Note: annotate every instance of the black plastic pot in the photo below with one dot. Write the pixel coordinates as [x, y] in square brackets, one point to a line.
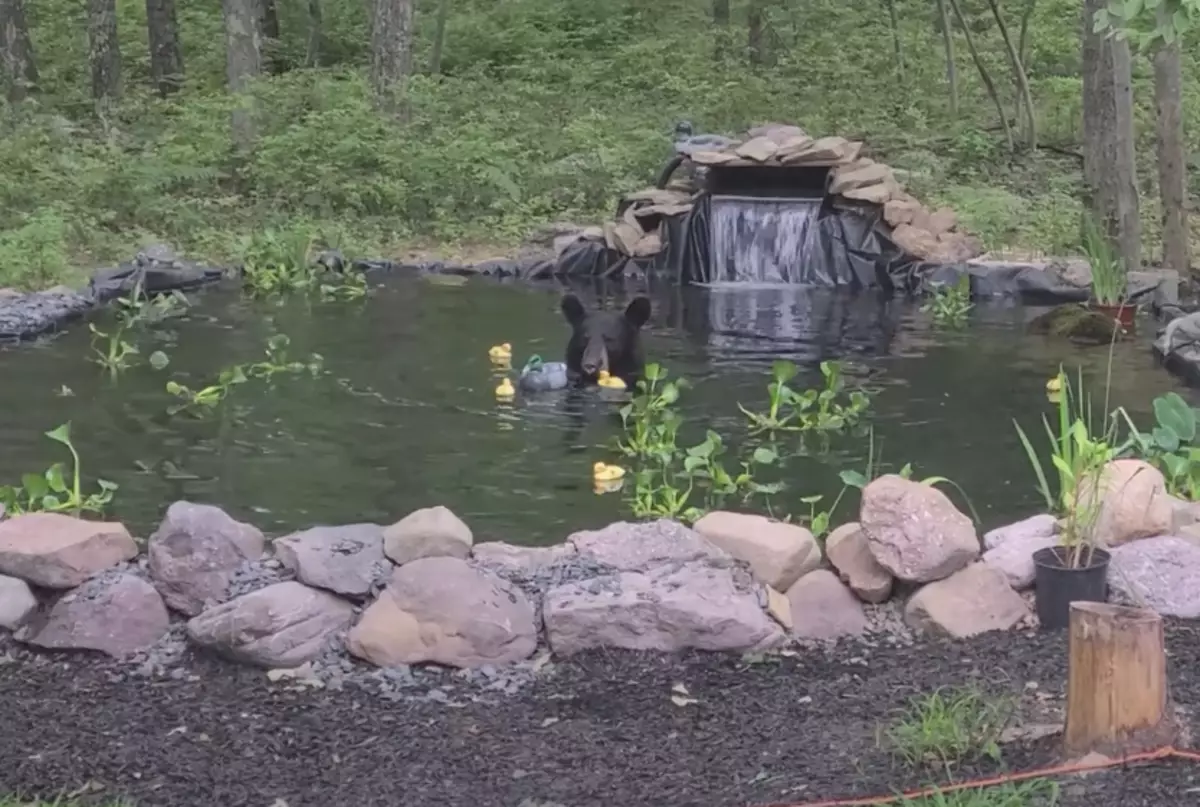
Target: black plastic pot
[1059, 585]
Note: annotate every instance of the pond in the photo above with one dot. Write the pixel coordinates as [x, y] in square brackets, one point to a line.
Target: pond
[405, 415]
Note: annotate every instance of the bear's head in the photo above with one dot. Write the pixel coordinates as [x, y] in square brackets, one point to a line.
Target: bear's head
[605, 340]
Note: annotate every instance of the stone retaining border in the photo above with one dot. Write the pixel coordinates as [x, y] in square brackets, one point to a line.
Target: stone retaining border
[331, 600]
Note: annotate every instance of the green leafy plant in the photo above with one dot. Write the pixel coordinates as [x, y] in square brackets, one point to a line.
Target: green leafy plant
[820, 410]
[111, 350]
[58, 489]
[950, 303]
[278, 262]
[949, 727]
[353, 286]
[1110, 280]
[1171, 445]
[1079, 452]
[675, 482]
[276, 362]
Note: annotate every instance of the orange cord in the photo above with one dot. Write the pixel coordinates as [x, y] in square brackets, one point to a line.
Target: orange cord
[1166, 752]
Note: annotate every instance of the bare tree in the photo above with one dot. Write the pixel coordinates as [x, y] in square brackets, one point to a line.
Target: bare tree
[391, 55]
[243, 62]
[439, 37]
[316, 34]
[1108, 160]
[754, 31]
[984, 75]
[18, 67]
[104, 53]
[1172, 155]
[1023, 93]
[166, 57]
[268, 31]
[951, 67]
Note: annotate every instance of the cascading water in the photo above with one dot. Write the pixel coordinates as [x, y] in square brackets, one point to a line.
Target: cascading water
[763, 240]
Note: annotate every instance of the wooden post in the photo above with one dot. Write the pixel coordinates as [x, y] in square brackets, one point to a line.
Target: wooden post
[1117, 698]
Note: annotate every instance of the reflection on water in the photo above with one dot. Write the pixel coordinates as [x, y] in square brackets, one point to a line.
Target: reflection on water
[407, 417]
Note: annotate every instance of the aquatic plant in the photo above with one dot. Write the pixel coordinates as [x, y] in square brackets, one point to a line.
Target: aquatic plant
[138, 307]
[276, 362]
[1110, 280]
[353, 286]
[276, 262]
[950, 303]
[1171, 445]
[111, 350]
[670, 480]
[817, 410]
[51, 491]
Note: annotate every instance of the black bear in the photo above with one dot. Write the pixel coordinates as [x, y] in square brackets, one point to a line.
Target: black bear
[605, 340]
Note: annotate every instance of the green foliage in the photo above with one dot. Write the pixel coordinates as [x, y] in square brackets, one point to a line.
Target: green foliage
[668, 476]
[950, 304]
[1171, 445]
[1149, 23]
[949, 728]
[1110, 282]
[543, 111]
[812, 410]
[57, 490]
[207, 398]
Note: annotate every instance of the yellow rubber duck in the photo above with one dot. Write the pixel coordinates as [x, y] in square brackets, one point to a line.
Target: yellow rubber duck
[501, 352]
[607, 473]
[610, 381]
[1054, 389]
[506, 390]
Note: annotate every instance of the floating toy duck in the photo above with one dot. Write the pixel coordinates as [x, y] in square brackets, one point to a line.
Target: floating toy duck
[607, 473]
[501, 353]
[609, 381]
[1054, 389]
[506, 391]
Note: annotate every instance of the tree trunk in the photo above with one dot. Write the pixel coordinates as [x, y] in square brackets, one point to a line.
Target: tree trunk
[268, 32]
[1172, 156]
[897, 46]
[1023, 36]
[18, 67]
[720, 13]
[1108, 160]
[1023, 92]
[316, 34]
[104, 54]
[439, 37]
[986, 77]
[243, 62]
[754, 32]
[391, 55]
[951, 68]
[1117, 698]
[166, 57]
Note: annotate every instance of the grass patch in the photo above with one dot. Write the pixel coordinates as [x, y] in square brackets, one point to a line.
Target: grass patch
[1034, 793]
[947, 728]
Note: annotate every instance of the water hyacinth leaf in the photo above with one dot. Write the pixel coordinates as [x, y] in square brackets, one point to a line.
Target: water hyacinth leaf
[159, 360]
[765, 456]
[62, 434]
[1166, 439]
[1173, 413]
[784, 371]
[854, 479]
[35, 485]
[56, 478]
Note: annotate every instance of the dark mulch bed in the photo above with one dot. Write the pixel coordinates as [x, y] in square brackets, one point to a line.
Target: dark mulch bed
[600, 730]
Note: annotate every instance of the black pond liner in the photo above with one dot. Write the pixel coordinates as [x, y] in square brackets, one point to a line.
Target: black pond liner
[1057, 585]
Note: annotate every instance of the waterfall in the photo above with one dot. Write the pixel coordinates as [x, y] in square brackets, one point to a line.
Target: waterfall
[763, 240]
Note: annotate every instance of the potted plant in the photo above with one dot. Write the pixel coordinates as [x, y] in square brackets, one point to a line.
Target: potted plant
[1076, 569]
[1110, 278]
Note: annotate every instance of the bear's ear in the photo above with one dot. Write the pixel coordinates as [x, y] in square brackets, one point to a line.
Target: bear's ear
[573, 309]
[637, 313]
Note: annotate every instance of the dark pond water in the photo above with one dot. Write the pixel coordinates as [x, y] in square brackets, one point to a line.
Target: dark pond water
[406, 416]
